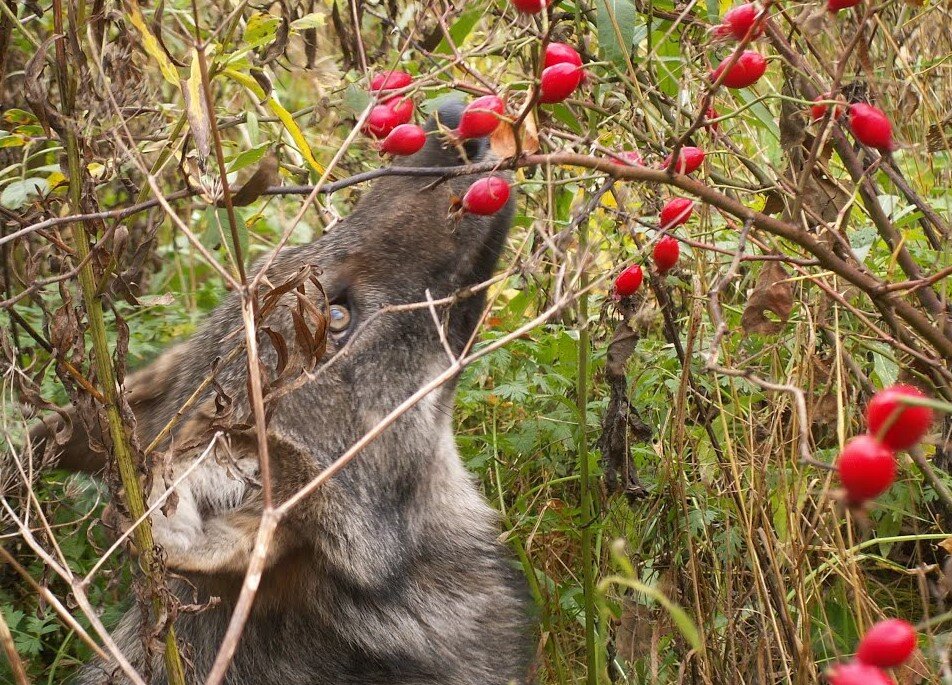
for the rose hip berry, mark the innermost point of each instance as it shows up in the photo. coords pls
(531, 6)
(381, 121)
(666, 252)
(560, 53)
(481, 117)
(835, 6)
(628, 158)
(819, 107)
(390, 80)
(866, 468)
(689, 160)
(402, 109)
(486, 196)
(675, 212)
(738, 22)
(747, 70)
(908, 423)
(709, 114)
(871, 126)
(628, 282)
(405, 139)
(887, 644)
(856, 673)
(558, 82)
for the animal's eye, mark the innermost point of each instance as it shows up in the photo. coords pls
(340, 318)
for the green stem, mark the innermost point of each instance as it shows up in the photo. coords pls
(587, 512)
(142, 535)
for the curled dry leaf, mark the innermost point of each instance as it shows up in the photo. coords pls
(621, 424)
(772, 293)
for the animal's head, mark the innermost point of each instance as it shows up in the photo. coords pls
(405, 240)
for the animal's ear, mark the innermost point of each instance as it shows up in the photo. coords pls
(145, 389)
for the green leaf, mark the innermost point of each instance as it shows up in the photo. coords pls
(18, 116)
(460, 29)
(8, 140)
(261, 29)
(356, 99)
(308, 21)
(248, 157)
(617, 20)
(861, 240)
(17, 193)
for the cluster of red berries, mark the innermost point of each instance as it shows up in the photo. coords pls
(390, 119)
(867, 464)
(887, 644)
(675, 212)
(869, 124)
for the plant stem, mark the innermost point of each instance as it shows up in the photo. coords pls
(105, 374)
(587, 513)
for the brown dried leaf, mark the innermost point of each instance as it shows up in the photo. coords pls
(264, 177)
(35, 91)
(277, 47)
(772, 293)
(503, 139)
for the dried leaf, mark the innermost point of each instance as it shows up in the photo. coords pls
(621, 425)
(35, 91)
(276, 49)
(196, 110)
(772, 293)
(503, 139)
(264, 177)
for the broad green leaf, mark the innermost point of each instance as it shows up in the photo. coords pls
(8, 140)
(862, 240)
(151, 44)
(248, 157)
(617, 20)
(308, 21)
(460, 29)
(17, 193)
(261, 29)
(19, 116)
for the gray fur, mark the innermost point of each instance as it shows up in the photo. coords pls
(391, 572)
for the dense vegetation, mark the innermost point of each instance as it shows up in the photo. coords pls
(714, 545)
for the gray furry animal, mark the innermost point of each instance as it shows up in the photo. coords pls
(391, 572)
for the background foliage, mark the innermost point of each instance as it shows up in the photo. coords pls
(775, 577)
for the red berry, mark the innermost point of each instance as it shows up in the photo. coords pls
(402, 109)
(855, 673)
(711, 113)
(558, 82)
(887, 644)
(871, 126)
(908, 423)
(531, 6)
(381, 121)
(866, 468)
(666, 253)
(486, 196)
(837, 5)
(819, 108)
(481, 117)
(689, 160)
(628, 282)
(628, 158)
(560, 53)
(747, 70)
(405, 139)
(390, 80)
(738, 22)
(676, 211)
